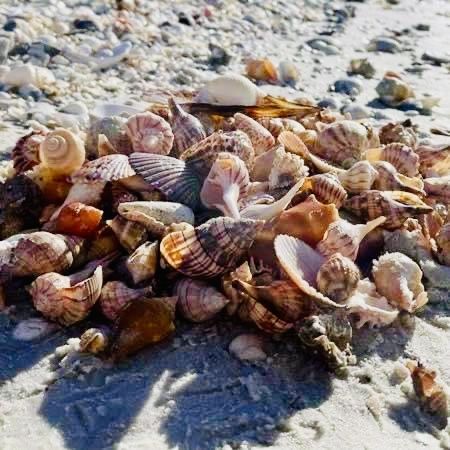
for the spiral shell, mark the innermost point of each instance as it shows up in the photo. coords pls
(398, 278)
(197, 300)
(95, 340)
(105, 168)
(57, 299)
(402, 157)
(143, 262)
(25, 154)
(434, 160)
(62, 151)
(130, 234)
(337, 277)
(247, 347)
(398, 133)
(261, 139)
(187, 129)
(389, 179)
(359, 178)
(149, 133)
(209, 249)
(326, 188)
(443, 243)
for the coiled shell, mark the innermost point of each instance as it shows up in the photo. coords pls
(389, 179)
(25, 153)
(402, 157)
(105, 168)
(130, 234)
(262, 140)
(143, 262)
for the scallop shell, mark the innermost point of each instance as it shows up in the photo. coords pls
(210, 249)
(389, 179)
(187, 129)
(337, 277)
(399, 133)
(78, 219)
(149, 133)
(62, 151)
(396, 206)
(58, 299)
(115, 295)
(402, 157)
(262, 70)
(242, 273)
(247, 347)
(143, 262)
(25, 153)
(197, 300)
(434, 160)
(398, 278)
(359, 178)
(105, 168)
(326, 188)
(95, 340)
(262, 140)
(130, 234)
(169, 175)
(443, 243)
(226, 183)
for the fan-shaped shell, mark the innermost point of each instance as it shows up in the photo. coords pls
(62, 151)
(25, 154)
(262, 140)
(105, 168)
(149, 133)
(401, 156)
(326, 188)
(130, 234)
(389, 179)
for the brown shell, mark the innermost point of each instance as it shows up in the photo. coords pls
(130, 234)
(78, 219)
(434, 160)
(262, 70)
(241, 273)
(25, 154)
(400, 133)
(389, 179)
(95, 340)
(119, 195)
(401, 156)
(327, 189)
(143, 262)
(262, 140)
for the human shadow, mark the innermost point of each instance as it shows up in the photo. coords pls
(188, 392)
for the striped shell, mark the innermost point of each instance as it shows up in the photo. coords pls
(434, 160)
(149, 133)
(210, 249)
(389, 179)
(273, 124)
(197, 300)
(55, 297)
(25, 154)
(227, 182)
(326, 188)
(143, 262)
(402, 133)
(261, 138)
(359, 178)
(105, 168)
(130, 234)
(402, 157)
(443, 244)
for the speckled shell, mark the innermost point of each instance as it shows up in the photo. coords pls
(143, 262)
(443, 243)
(359, 178)
(187, 129)
(227, 181)
(55, 297)
(262, 140)
(201, 156)
(399, 133)
(210, 249)
(326, 188)
(95, 340)
(197, 300)
(402, 157)
(115, 295)
(389, 179)
(396, 206)
(105, 168)
(130, 234)
(25, 153)
(398, 278)
(242, 273)
(62, 151)
(149, 133)
(337, 277)
(434, 160)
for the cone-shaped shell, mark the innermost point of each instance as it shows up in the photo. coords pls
(130, 234)
(105, 168)
(197, 300)
(326, 188)
(210, 249)
(401, 156)
(62, 151)
(262, 140)
(55, 297)
(143, 262)
(389, 179)
(25, 154)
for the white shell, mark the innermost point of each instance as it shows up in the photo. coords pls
(248, 347)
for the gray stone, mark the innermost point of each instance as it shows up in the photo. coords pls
(358, 111)
(322, 45)
(329, 102)
(384, 44)
(348, 86)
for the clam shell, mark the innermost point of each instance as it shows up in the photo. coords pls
(401, 156)
(143, 262)
(247, 347)
(130, 234)
(105, 168)
(262, 140)
(326, 188)
(25, 154)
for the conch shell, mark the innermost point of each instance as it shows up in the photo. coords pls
(389, 179)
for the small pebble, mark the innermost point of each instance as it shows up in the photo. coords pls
(323, 46)
(362, 67)
(357, 112)
(4, 49)
(329, 102)
(10, 25)
(348, 86)
(85, 24)
(385, 45)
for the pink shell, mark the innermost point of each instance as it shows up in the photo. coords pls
(105, 168)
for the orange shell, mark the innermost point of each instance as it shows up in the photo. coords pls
(78, 219)
(262, 69)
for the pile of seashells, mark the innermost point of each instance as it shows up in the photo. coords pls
(292, 218)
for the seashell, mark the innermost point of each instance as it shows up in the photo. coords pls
(307, 221)
(273, 124)
(226, 183)
(33, 328)
(264, 164)
(78, 219)
(102, 243)
(402, 157)
(344, 237)
(210, 249)
(62, 151)
(337, 277)
(141, 323)
(143, 262)
(115, 295)
(443, 244)
(398, 278)
(289, 72)
(293, 125)
(95, 340)
(242, 273)
(105, 147)
(67, 299)
(130, 234)
(119, 195)
(434, 160)
(344, 142)
(389, 179)
(258, 198)
(262, 140)
(359, 178)
(231, 89)
(402, 133)
(287, 170)
(201, 156)
(173, 177)
(247, 347)
(396, 206)
(393, 91)
(302, 264)
(326, 188)
(25, 153)
(105, 168)
(262, 70)
(370, 306)
(198, 301)
(149, 133)
(361, 66)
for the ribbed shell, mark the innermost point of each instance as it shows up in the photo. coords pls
(359, 178)
(105, 168)
(434, 160)
(130, 234)
(210, 249)
(401, 156)
(327, 189)
(398, 133)
(274, 125)
(25, 154)
(389, 179)
(143, 262)
(262, 140)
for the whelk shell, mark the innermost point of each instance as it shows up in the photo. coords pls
(389, 179)
(399, 133)
(326, 188)
(143, 262)
(130, 234)
(247, 347)
(401, 156)
(25, 153)
(261, 138)
(105, 168)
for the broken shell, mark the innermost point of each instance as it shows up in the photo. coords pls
(247, 347)
(149, 133)
(105, 168)
(434, 160)
(360, 177)
(62, 151)
(115, 295)
(95, 340)
(262, 70)
(398, 278)
(262, 140)
(389, 179)
(337, 277)
(443, 243)
(130, 234)
(226, 183)
(263, 165)
(210, 249)
(143, 262)
(78, 219)
(25, 153)
(402, 157)
(197, 300)
(326, 188)
(242, 273)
